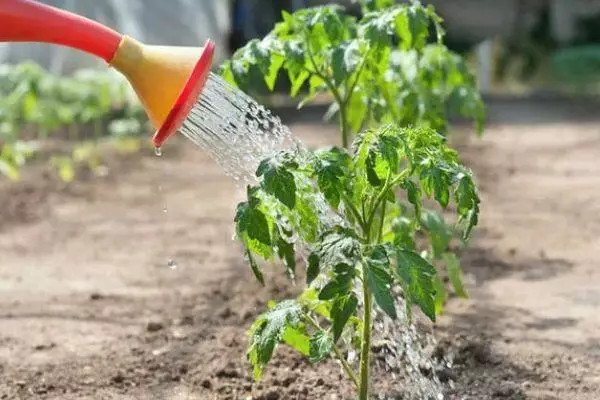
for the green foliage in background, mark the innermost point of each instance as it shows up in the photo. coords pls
(87, 106)
(389, 66)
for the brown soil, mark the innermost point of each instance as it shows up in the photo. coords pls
(89, 308)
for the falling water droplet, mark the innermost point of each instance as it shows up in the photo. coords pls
(172, 264)
(158, 151)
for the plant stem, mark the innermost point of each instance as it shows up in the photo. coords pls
(344, 126)
(365, 352)
(311, 321)
(345, 365)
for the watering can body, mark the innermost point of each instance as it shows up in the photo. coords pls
(167, 79)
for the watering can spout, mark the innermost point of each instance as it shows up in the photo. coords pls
(167, 79)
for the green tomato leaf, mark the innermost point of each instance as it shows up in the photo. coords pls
(313, 268)
(455, 274)
(413, 194)
(287, 254)
(342, 309)
(331, 290)
(255, 268)
(297, 340)
(321, 345)
(417, 277)
(253, 228)
(379, 280)
(278, 181)
(268, 330)
(345, 60)
(329, 168)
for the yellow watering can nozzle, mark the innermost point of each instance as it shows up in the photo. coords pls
(167, 79)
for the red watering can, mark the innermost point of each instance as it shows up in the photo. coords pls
(167, 79)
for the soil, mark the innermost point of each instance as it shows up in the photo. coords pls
(129, 286)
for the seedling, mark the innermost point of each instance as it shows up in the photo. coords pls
(344, 208)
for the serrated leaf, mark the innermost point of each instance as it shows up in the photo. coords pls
(342, 309)
(298, 81)
(271, 77)
(268, 330)
(417, 276)
(321, 345)
(329, 170)
(313, 268)
(467, 200)
(279, 182)
(253, 223)
(455, 274)
(379, 280)
(255, 268)
(297, 340)
(388, 147)
(310, 300)
(345, 59)
(287, 254)
(413, 194)
(339, 246)
(332, 289)
(371, 166)
(435, 182)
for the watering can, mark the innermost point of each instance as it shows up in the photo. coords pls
(167, 79)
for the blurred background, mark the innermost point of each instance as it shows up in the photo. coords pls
(512, 41)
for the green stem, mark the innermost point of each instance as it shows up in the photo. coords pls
(365, 352)
(336, 350)
(348, 203)
(345, 366)
(334, 91)
(381, 222)
(344, 126)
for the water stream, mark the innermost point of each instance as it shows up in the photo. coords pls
(238, 133)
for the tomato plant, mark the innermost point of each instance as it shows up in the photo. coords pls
(358, 209)
(385, 67)
(344, 207)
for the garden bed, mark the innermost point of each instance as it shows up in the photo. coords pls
(89, 308)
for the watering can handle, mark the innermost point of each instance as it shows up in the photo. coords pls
(30, 21)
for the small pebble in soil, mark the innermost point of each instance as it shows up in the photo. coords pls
(288, 381)
(118, 378)
(225, 313)
(206, 384)
(228, 371)
(44, 346)
(96, 296)
(154, 326)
